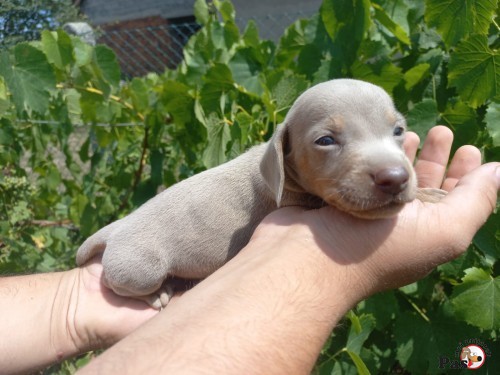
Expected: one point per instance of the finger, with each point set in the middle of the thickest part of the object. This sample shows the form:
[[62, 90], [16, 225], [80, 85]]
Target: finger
[[466, 159], [471, 202], [433, 159], [410, 145]]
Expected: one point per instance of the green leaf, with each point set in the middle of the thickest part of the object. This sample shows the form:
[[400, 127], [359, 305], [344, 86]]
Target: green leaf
[[396, 30], [177, 101], [462, 120], [415, 75], [423, 117], [346, 22], [219, 135], [139, 93], [251, 34], [285, 88], [359, 332], [107, 65], [487, 239], [245, 70], [201, 12], [82, 51], [29, 77], [474, 71], [477, 299], [73, 105], [226, 9], [4, 97], [419, 343], [218, 80], [456, 19], [492, 120], [358, 362], [388, 76], [382, 306], [58, 48]]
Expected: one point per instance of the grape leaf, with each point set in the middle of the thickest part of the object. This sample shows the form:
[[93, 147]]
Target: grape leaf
[[382, 306], [415, 75], [284, 88], [82, 51], [245, 71], [226, 9], [389, 24], [219, 135], [487, 239], [474, 71], [57, 47], [492, 119], [29, 77], [477, 299], [107, 65], [462, 120], [420, 343], [201, 12], [388, 76], [139, 94], [346, 22], [358, 362], [423, 117], [4, 99], [456, 19], [358, 336]]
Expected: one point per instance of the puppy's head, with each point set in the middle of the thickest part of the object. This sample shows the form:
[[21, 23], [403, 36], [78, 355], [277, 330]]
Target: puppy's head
[[342, 141]]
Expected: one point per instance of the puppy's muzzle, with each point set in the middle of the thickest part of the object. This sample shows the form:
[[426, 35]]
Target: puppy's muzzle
[[391, 180]]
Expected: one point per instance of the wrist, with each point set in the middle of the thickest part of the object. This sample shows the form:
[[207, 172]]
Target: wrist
[[67, 338], [36, 318]]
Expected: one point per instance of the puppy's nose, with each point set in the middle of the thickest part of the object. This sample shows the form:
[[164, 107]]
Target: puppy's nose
[[391, 180]]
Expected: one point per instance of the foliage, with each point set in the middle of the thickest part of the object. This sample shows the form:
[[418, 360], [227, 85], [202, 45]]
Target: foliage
[[80, 148], [22, 20]]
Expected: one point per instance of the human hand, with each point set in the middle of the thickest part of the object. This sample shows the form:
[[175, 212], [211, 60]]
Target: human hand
[[389, 253], [97, 317]]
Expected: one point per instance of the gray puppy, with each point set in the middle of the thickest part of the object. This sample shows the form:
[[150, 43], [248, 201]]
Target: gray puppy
[[340, 144]]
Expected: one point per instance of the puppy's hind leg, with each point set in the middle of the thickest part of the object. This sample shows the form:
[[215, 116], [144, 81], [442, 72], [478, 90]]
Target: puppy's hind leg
[[136, 273]]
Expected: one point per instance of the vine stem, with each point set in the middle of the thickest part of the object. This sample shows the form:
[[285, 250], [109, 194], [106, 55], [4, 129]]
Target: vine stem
[[138, 172], [50, 223]]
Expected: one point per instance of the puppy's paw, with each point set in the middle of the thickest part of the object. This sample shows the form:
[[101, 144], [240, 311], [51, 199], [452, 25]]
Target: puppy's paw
[[159, 299], [430, 195]]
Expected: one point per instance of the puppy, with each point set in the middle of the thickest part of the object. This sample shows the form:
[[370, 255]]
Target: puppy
[[340, 144]]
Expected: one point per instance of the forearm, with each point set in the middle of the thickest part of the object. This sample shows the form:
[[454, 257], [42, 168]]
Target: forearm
[[269, 310], [34, 315]]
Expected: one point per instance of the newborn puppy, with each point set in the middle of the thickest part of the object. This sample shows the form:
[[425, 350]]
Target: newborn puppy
[[340, 144]]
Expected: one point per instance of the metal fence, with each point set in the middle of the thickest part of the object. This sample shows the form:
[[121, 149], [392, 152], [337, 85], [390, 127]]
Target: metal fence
[[149, 49], [145, 49]]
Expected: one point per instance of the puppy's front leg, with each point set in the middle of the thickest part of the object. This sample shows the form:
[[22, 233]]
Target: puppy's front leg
[[430, 195]]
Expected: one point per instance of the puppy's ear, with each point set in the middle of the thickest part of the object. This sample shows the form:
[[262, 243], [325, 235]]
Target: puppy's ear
[[272, 165]]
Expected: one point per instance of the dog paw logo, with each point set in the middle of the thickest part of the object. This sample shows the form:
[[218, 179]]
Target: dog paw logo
[[472, 356]]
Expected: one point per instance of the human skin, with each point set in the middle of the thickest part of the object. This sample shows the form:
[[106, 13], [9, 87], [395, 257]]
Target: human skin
[[271, 308], [52, 316]]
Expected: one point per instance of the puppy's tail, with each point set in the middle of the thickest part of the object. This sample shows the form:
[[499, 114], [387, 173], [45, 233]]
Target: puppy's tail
[[94, 245]]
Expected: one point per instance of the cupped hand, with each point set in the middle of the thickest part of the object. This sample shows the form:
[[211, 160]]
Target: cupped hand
[[97, 316], [389, 253]]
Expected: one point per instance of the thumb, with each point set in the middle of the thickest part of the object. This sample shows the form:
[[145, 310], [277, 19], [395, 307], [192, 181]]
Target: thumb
[[472, 200]]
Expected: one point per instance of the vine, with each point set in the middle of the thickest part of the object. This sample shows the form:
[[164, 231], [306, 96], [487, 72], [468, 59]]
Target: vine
[[69, 166]]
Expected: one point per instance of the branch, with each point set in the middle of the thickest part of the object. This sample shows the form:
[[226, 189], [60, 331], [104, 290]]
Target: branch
[[66, 223], [138, 172]]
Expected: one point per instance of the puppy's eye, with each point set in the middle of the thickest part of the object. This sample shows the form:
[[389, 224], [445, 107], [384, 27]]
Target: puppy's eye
[[398, 131], [325, 141]]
